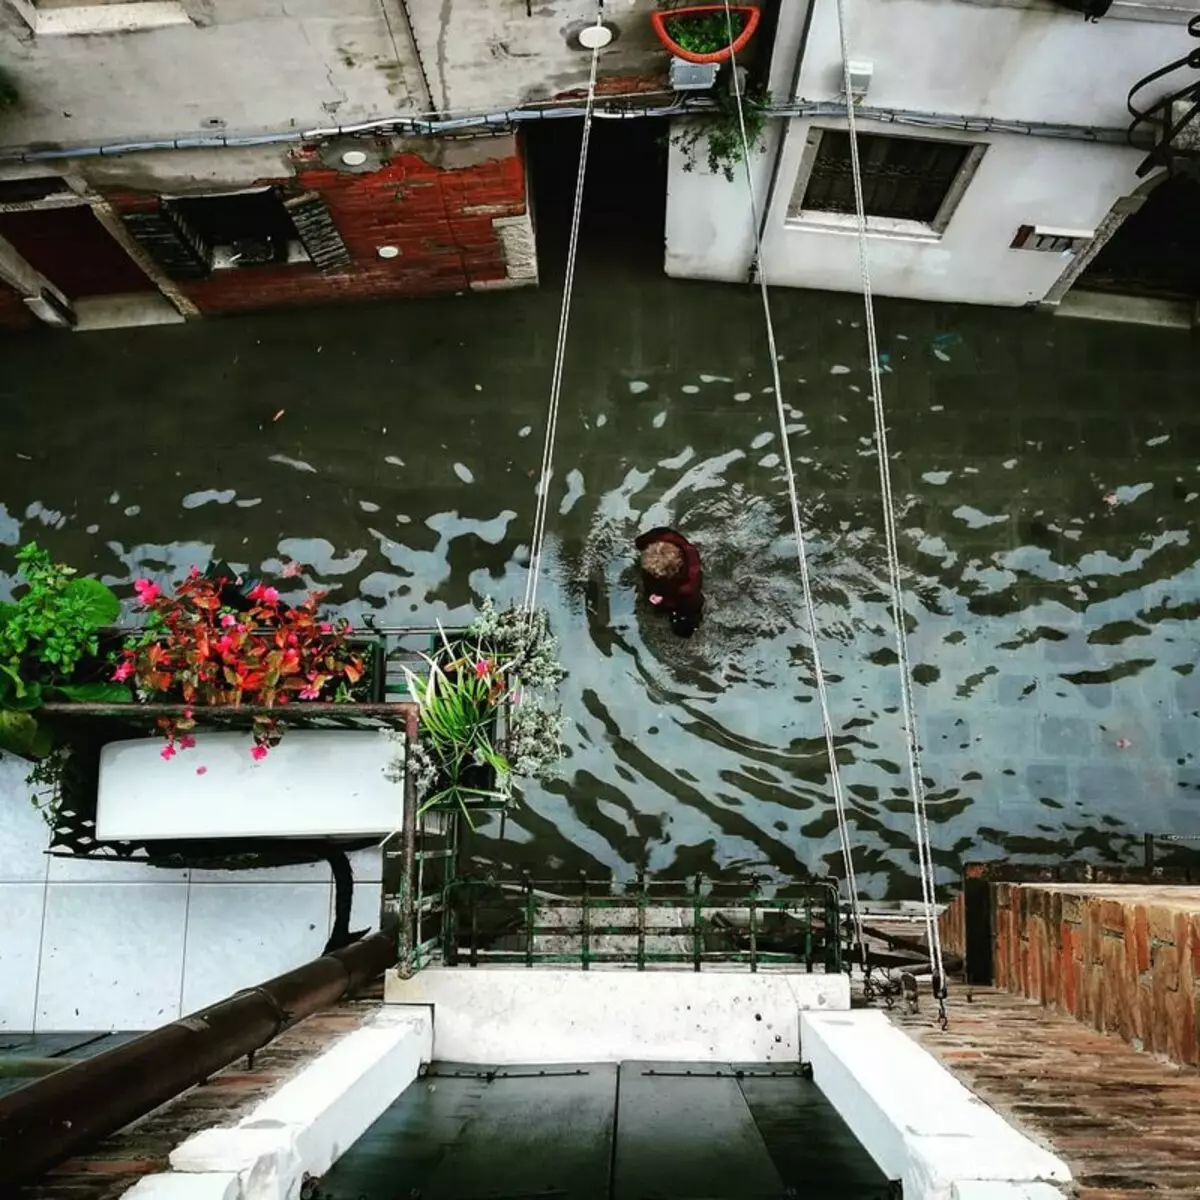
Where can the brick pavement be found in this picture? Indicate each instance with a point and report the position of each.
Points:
(1127, 1123)
(115, 1165)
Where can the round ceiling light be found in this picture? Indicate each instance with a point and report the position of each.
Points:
(595, 37)
(354, 158)
(388, 251)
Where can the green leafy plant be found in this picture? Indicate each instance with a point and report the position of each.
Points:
(47, 637)
(480, 728)
(705, 33)
(719, 137)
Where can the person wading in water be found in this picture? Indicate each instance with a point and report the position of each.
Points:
(672, 576)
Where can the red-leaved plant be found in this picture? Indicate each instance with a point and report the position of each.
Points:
(196, 649)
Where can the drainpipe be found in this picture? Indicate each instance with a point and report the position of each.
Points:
(44, 1123)
(783, 137)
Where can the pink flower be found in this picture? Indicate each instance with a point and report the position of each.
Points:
(326, 627)
(482, 668)
(268, 595)
(187, 712)
(290, 570)
(123, 671)
(228, 620)
(187, 742)
(168, 752)
(225, 643)
(258, 753)
(193, 572)
(201, 770)
(147, 592)
(310, 693)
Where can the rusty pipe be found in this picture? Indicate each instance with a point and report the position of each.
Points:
(46, 1122)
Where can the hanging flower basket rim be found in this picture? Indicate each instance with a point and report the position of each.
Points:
(659, 19)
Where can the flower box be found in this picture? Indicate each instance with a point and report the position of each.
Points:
(705, 25)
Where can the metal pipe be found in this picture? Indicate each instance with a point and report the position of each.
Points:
(420, 127)
(46, 1122)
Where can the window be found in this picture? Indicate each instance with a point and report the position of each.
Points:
(100, 16)
(243, 229)
(910, 180)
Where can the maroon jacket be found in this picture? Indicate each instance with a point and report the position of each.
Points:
(681, 593)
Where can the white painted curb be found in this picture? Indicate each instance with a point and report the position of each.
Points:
(503, 1016)
(304, 1127)
(916, 1120)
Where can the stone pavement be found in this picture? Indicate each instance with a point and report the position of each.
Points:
(1126, 1123)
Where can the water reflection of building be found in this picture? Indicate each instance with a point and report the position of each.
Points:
(994, 152)
(166, 159)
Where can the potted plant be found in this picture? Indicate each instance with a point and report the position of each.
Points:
(706, 33)
(198, 649)
(719, 136)
(50, 648)
(483, 718)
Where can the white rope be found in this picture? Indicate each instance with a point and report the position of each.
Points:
(916, 781)
(560, 350)
(839, 795)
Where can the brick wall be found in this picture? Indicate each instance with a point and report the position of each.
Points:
(1123, 958)
(438, 216)
(14, 314)
(952, 926)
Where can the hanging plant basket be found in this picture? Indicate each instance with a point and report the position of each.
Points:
(686, 32)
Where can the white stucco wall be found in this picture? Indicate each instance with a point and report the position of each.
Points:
(1013, 61)
(1006, 61)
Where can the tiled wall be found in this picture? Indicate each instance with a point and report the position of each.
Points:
(98, 946)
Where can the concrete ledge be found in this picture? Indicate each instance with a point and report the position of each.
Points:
(916, 1120)
(306, 1125)
(501, 1015)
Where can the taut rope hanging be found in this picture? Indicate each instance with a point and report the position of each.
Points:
(564, 320)
(916, 780)
(839, 796)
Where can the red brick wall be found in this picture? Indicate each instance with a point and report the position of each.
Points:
(13, 312)
(1123, 958)
(952, 926)
(439, 218)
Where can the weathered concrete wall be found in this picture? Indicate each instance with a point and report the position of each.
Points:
(249, 66)
(492, 54)
(253, 65)
(1123, 958)
(456, 211)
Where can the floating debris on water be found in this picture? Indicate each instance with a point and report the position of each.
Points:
(464, 472)
(297, 464)
(638, 386)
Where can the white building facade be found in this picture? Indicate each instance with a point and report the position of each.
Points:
(992, 139)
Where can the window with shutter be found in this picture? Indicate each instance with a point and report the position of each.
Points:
(173, 245)
(316, 230)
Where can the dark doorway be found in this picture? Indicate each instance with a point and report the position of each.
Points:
(625, 196)
(1156, 250)
(74, 251)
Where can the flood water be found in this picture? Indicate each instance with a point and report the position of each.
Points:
(1047, 476)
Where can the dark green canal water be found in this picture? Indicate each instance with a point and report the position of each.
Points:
(1047, 477)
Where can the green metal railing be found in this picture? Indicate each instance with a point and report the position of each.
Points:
(459, 920)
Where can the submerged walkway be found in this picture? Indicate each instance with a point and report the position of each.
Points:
(1124, 1121)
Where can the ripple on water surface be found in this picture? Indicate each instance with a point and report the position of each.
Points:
(1052, 594)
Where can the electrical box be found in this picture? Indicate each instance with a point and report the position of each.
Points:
(861, 73)
(693, 77)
